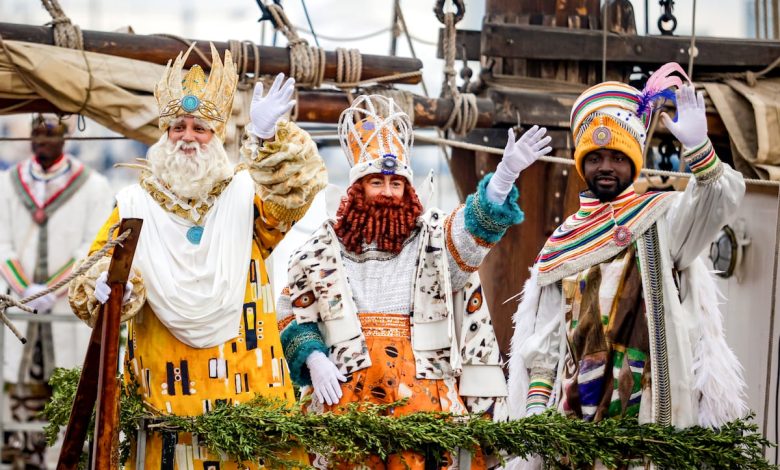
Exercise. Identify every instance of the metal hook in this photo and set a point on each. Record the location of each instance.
(667, 17)
(266, 13)
(460, 10)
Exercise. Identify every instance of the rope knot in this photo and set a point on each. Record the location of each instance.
(66, 34)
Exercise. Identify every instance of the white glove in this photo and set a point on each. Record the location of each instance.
(535, 410)
(41, 304)
(265, 111)
(691, 126)
(325, 377)
(103, 290)
(517, 157)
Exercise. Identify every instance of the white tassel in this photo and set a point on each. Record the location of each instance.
(523, 321)
(534, 463)
(717, 371)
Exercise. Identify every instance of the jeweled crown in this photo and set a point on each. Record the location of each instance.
(209, 98)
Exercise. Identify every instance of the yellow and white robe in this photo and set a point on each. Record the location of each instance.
(175, 377)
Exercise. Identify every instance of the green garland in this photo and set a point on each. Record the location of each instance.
(267, 431)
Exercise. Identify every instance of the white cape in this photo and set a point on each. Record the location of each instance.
(197, 291)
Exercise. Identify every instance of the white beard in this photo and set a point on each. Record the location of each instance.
(189, 176)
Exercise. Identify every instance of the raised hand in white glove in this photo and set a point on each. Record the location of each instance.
(325, 377)
(691, 126)
(518, 155)
(41, 304)
(266, 110)
(103, 290)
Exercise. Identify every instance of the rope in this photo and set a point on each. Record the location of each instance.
(692, 48)
(361, 37)
(568, 161)
(750, 77)
(240, 52)
(7, 301)
(464, 111)
(188, 43)
(464, 114)
(66, 34)
(382, 79)
(349, 66)
(404, 99)
(448, 86)
(307, 64)
(604, 19)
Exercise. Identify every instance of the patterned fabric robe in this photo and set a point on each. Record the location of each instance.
(176, 378)
(689, 375)
(392, 324)
(47, 220)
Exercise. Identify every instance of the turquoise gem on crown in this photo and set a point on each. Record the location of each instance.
(190, 103)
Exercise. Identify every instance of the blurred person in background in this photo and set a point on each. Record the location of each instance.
(51, 205)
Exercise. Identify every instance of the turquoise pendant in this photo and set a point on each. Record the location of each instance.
(194, 234)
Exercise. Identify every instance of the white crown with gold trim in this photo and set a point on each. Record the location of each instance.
(209, 98)
(376, 136)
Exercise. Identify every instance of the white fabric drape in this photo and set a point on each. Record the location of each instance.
(197, 291)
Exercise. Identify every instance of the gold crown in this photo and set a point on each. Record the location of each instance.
(194, 94)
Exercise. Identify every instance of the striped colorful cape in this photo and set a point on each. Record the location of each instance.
(589, 232)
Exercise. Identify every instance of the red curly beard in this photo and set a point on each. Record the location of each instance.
(385, 220)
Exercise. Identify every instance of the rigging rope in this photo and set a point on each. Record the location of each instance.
(567, 161)
(240, 52)
(464, 111)
(68, 35)
(7, 301)
(692, 48)
(307, 64)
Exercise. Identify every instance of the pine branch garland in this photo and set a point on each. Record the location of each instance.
(267, 431)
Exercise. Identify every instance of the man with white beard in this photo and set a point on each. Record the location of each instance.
(203, 327)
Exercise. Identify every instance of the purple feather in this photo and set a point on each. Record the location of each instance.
(658, 87)
(647, 100)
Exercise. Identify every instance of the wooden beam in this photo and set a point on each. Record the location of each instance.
(322, 106)
(468, 42)
(552, 110)
(545, 43)
(161, 49)
(83, 404)
(532, 107)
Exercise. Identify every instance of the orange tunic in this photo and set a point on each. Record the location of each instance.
(388, 341)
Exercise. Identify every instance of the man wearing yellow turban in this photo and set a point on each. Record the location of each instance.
(620, 315)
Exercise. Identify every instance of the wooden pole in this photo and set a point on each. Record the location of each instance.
(98, 379)
(547, 192)
(107, 407)
(320, 106)
(81, 411)
(161, 49)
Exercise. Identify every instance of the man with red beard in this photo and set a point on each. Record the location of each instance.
(383, 303)
(202, 322)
